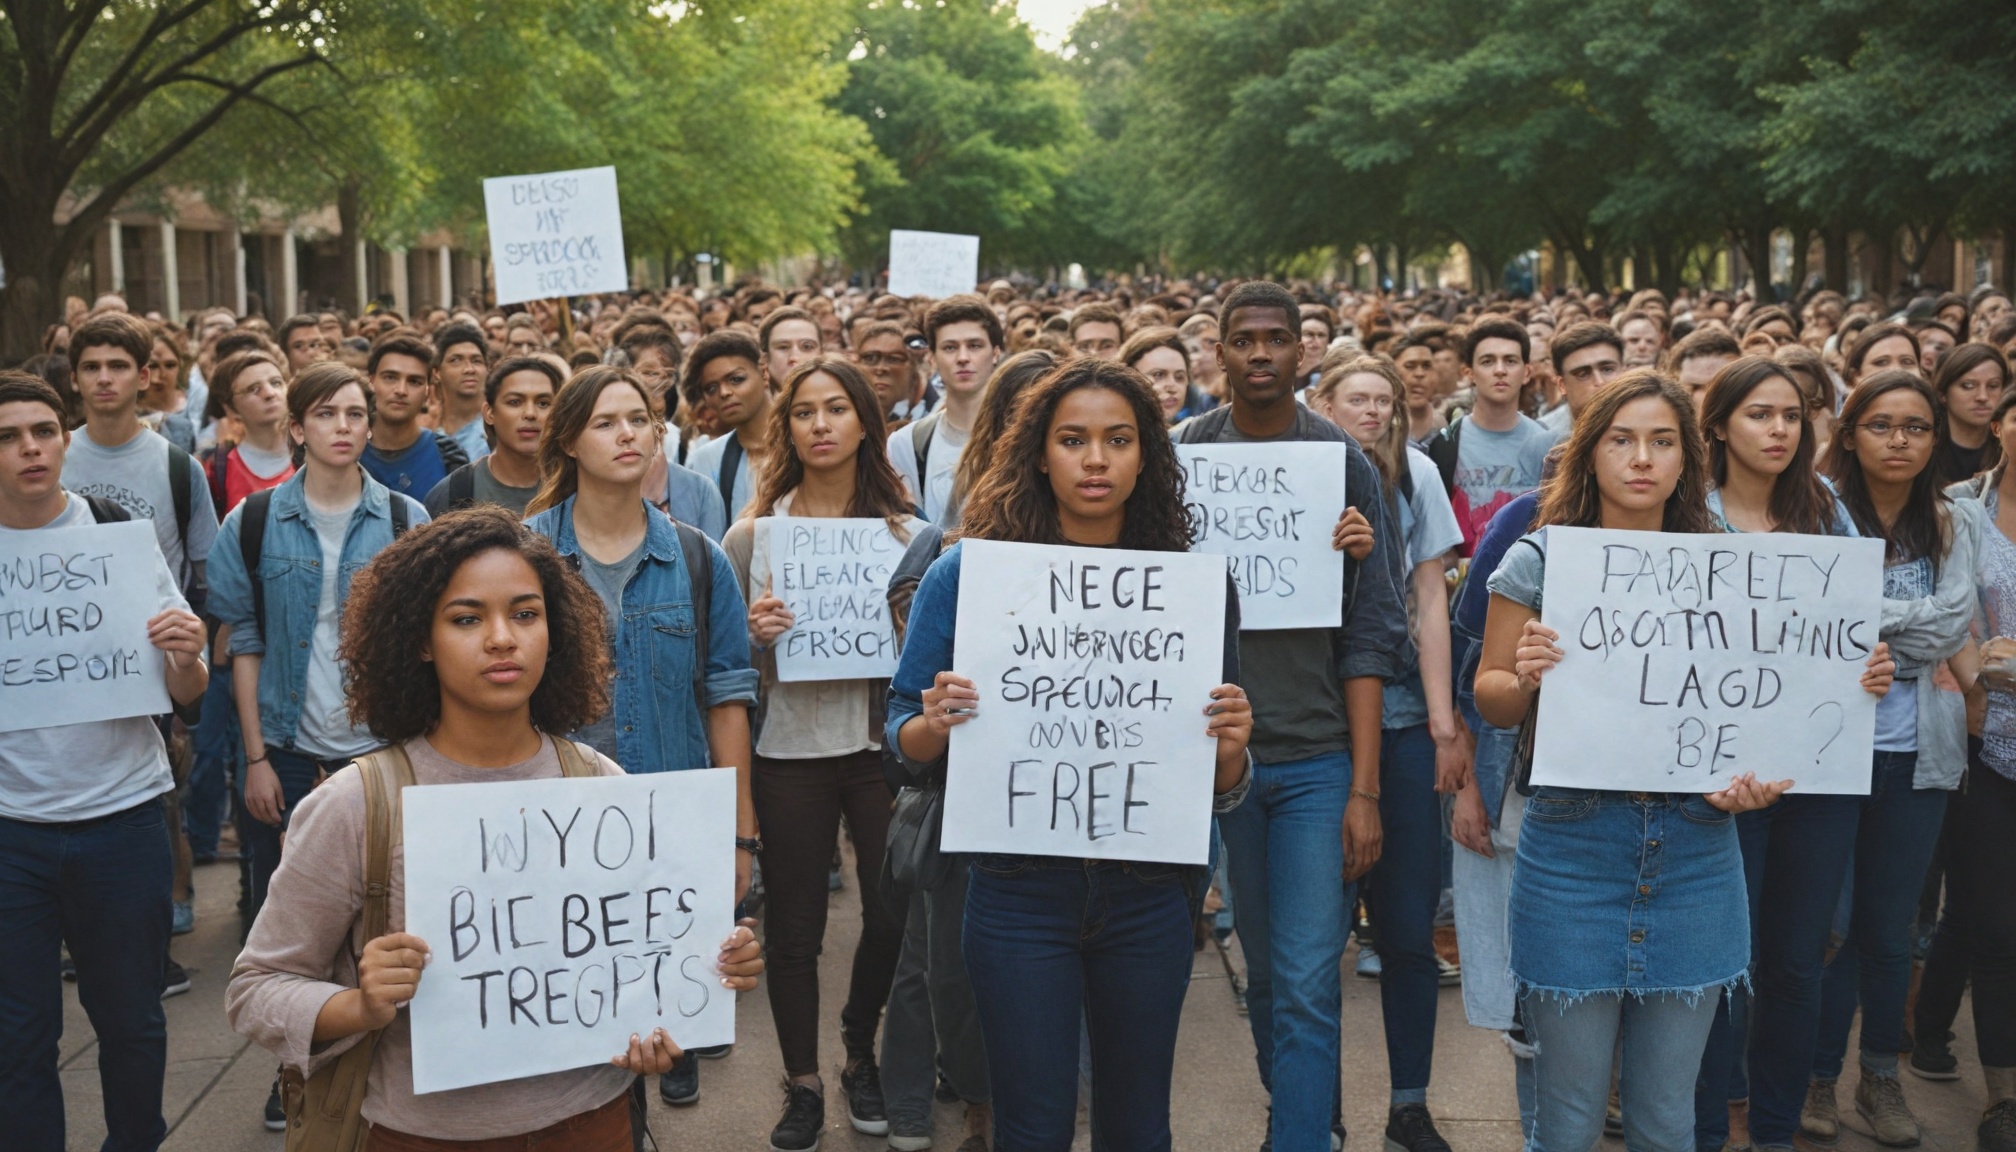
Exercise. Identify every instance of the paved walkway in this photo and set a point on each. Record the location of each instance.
(217, 1081)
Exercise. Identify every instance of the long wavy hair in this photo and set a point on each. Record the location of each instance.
(1011, 378)
(878, 490)
(560, 473)
(1013, 499)
(1571, 496)
(1799, 501)
(1923, 526)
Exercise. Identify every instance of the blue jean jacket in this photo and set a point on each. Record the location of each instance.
(658, 723)
(290, 569)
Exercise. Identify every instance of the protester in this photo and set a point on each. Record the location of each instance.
(1484, 457)
(726, 370)
(403, 454)
(1698, 356)
(1970, 382)
(461, 363)
(251, 388)
(1881, 348)
(517, 400)
(965, 340)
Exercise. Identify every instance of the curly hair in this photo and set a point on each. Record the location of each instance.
(1571, 496)
(878, 490)
(1013, 500)
(1011, 378)
(390, 615)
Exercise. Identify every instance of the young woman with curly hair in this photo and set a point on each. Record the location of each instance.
(471, 646)
(1085, 462)
(1590, 858)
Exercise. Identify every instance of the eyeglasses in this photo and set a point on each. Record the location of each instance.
(883, 359)
(1883, 429)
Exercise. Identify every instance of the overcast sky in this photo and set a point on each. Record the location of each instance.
(1051, 19)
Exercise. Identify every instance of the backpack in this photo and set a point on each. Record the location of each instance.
(252, 542)
(462, 487)
(920, 446)
(105, 511)
(1443, 448)
(724, 477)
(325, 1111)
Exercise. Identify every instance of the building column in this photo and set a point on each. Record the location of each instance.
(401, 289)
(237, 269)
(445, 262)
(116, 266)
(171, 275)
(290, 278)
(363, 280)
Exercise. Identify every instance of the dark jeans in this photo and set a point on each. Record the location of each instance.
(261, 840)
(799, 804)
(1893, 847)
(1400, 898)
(933, 1027)
(1977, 935)
(1051, 941)
(100, 886)
(220, 751)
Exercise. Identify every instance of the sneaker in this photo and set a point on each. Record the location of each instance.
(1879, 1100)
(1409, 1128)
(681, 1086)
(276, 1112)
(803, 1120)
(69, 968)
(174, 980)
(712, 1051)
(1820, 1119)
(900, 1142)
(1368, 961)
(861, 1080)
(1932, 1059)
(1998, 1128)
(1447, 973)
(185, 918)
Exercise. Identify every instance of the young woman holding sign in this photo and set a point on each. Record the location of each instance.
(1597, 867)
(819, 747)
(1881, 464)
(470, 645)
(1047, 939)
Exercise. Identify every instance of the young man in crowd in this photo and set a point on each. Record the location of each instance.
(1095, 330)
(726, 369)
(879, 350)
(1414, 355)
(1484, 456)
(1644, 337)
(1696, 359)
(402, 455)
(461, 363)
(517, 398)
(84, 856)
(1586, 356)
(966, 343)
(1313, 815)
(788, 338)
(301, 341)
(1318, 329)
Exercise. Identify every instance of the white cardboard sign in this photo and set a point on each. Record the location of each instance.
(564, 916)
(555, 234)
(1690, 659)
(1094, 667)
(74, 606)
(1269, 510)
(937, 264)
(834, 576)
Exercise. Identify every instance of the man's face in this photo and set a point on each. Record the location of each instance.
(655, 369)
(1641, 343)
(1448, 372)
(1259, 353)
(524, 401)
(830, 334)
(525, 340)
(306, 346)
(214, 325)
(1315, 342)
(964, 356)
(462, 371)
(332, 328)
(1586, 370)
(735, 387)
(32, 441)
(399, 388)
(1097, 338)
(1933, 344)
(762, 309)
(1697, 371)
(1497, 370)
(496, 328)
(1417, 374)
(792, 342)
(888, 366)
(109, 379)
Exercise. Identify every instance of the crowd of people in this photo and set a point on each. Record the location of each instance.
(478, 545)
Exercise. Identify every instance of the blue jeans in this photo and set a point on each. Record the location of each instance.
(1574, 1042)
(219, 751)
(297, 775)
(1893, 847)
(1401, 894)
(1287, 839)
(102, 887)
(1052, 941)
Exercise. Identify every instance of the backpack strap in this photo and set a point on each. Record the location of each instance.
(214, 470)
(1444, 448)
(400, 515)
(251, 543)
(920, 446)
(574, 763)
(105, 511)
(386, 774)
(182, 487)
(700, 573)
(462, 487)
(724, 478)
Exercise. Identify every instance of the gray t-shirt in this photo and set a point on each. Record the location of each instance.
(1428, 526)
(608, 581)
(1492, 468)
(134, 475)
(487, 490)
(325, 730)
(1523, 572)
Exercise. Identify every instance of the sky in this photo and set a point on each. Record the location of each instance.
(1051, 20)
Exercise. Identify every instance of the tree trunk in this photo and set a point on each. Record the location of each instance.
(1879, 245)
(1802, 241)
(36, 255)
(2008, 264)
(349, 222)
(1834, 243)
(1756, 241)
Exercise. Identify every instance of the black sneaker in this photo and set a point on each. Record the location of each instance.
(276, 1113)
(712, 1051)
(862, 1082)
(174, 980)
(1409, 1128)
(1998, 1128)
(1932, 1059)
(681, 1086)
(803, 1120)
(944, 1093)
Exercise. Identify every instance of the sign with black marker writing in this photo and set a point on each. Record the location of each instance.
(565, 916)
(1690, 659)
(1094, 667)
(936, 264)
(834, 576)
(1269, 510)
(74, 606)
(555, 234)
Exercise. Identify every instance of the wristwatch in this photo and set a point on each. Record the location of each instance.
(749, 844)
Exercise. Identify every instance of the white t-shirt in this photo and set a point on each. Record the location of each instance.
(325, 730)
(947, 443)
(134, 476)
(84, 771)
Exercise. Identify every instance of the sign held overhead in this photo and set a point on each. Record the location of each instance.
(555, 234)
(936, 264)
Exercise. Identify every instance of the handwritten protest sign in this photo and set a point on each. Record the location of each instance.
(1093, 667)
(555, 234)
(1692, 659)
(1269, 509)
(564, 916)
(932, 263)
(74, 606)
(834, 576)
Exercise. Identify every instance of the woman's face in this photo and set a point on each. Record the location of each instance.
(335, 429)
(1893, 437)
(1763, 433)
(616, 445)
(1363, 406)
(1933, 344)
(1780, 331)
(1168, 376)
(1639, 458)
(488, 642)
(163, 368)
(259, 395)
(1890, 352)
(1093, 458)
(1315, 341)
(1972, 398)
(825, 429)
(1990, 309)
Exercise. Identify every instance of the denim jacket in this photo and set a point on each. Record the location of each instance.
(658, 723)
(290, 568)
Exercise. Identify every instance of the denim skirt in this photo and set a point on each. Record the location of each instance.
(1627, 892)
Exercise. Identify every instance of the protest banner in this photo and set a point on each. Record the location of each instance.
(834, 576)
(1269, 509)
(565, 916)
(555, 234)
(1690, 659)
(1094, 667)
(936, 264)
(74, 606)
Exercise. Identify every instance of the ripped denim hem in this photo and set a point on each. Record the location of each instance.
(1526, 989)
